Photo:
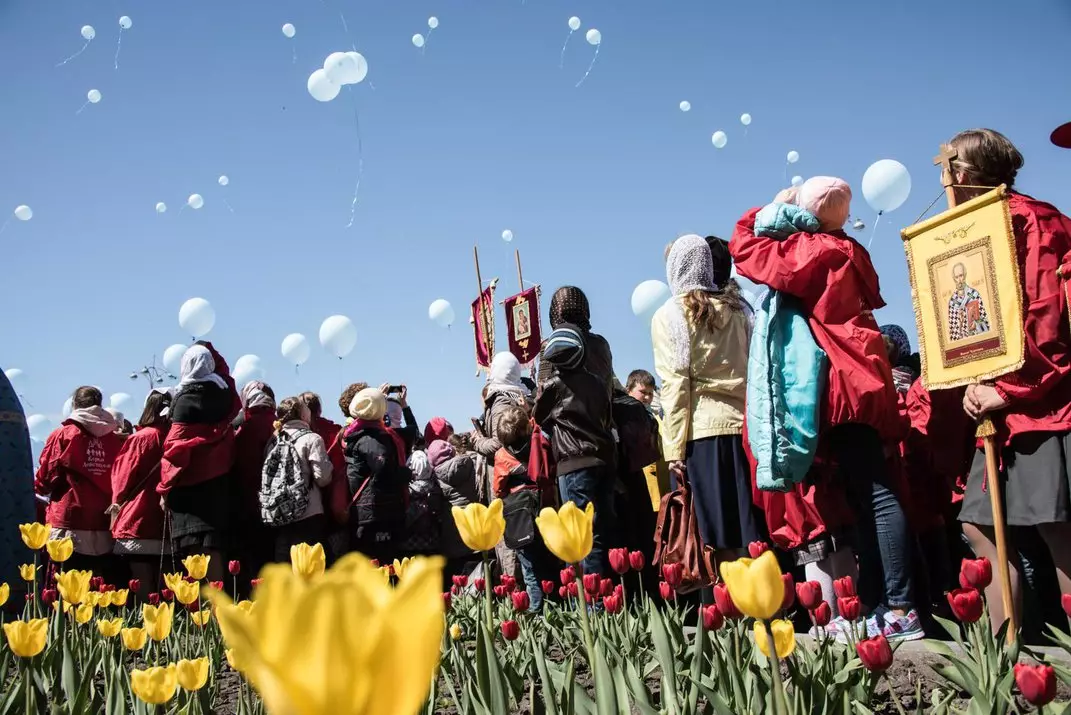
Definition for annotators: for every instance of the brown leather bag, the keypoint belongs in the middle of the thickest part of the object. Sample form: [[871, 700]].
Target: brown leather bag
[[677, 540]]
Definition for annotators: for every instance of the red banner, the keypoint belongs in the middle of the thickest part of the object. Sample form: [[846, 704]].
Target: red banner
[[522, 325], [483, 326]]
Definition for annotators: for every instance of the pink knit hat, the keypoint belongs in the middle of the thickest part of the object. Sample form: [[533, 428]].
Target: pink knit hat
[[828, 198]]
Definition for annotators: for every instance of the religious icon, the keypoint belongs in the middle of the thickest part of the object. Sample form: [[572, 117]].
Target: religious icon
[[966, 308], [963, 284], [522, 320]]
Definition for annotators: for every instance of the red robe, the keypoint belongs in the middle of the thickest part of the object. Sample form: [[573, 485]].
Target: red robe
[[135, 474], [250, 443], [74, 472], [937, 451], [338, 491]]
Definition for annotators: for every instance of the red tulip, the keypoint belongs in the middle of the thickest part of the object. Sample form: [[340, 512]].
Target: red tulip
[[844, 587], [28, 597], [563, 592], [612, 604], [500, 591], [255, 582], [574, 590], [619, 560], [790, 591], [521, 601], [96, 582], [665, 590], [809, 594], [460, 581], [447, 599], [966, 604], [849, 607], [1037, 683], [712, 618], [234, 567], [606, 587], [154, 599], [510, 630], [568, 575], [456, 590], [637, 561], [107, 588], [193, 607], [1065, 601], [875, 653], [49, 596], [218, 585], [375, 562], [976, 573], [822, 614], [168, 594], [757, 549], [509, 582], [619, 591], [479, 584], [134, 585], [591, 583], [725, 602], [548, 587], [673, 573]]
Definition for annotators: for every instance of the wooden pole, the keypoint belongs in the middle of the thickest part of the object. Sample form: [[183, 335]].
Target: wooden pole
[[479, 295], [520, 278]]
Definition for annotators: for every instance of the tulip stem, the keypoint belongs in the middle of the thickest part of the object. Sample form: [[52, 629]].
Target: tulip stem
[[892, 694], [780, 705], [585, 622], [488, 615]]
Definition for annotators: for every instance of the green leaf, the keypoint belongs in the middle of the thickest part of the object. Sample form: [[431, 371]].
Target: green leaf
[[716, 701], [605, 695], [489, 673], [550, 700], [698, 654], [68, 679], [666, 659], [953, 630]]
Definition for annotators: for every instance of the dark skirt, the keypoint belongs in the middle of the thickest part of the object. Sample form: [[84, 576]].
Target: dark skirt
[[1036, 481], [718, 472], [200, 515]]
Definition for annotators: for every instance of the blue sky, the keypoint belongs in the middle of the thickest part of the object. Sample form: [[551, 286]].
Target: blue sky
[[482, 132]]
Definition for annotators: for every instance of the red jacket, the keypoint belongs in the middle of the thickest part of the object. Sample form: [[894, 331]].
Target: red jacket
[[250, 443], [833, 277], [939, 447], [338, 491], [1040, 393], [135, 474], [74, 472]]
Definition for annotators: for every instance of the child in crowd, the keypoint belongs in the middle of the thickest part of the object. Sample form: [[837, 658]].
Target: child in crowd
[[425, 512], [456, 471]]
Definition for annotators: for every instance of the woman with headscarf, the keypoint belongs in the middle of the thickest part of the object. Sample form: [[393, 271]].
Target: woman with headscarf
[[503, 388], [199, 454], [252, 543], [576, 376]]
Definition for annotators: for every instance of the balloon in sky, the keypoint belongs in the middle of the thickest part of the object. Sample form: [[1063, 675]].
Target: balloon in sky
[[289, 30], [173, 357], [574, 23], [797, 180], [93, 96], [224, 180], [125, 22], [246, 369], [793, 157], [196, 317], [338, 335], [195, 201], [718, 139], [649, 297], [886, 185], [23, 212], [296, 349], [418, 40], [594, 37], [507, 235], [441, 312], [362, 68], [321, 87], [88, 32], [121, 401], [686, 106], [433, 22], [39, 426], [160, 207], [345, 67], [745, 119], [13, 374], [68, 407]]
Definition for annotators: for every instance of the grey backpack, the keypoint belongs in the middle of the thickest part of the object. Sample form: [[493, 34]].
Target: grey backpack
[[284, 493]]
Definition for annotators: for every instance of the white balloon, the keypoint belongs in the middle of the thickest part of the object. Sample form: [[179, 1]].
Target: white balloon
[[797, 180], [418, 40], [507, 235], [173, 357], [345, 67], [649, 297], [23, 212], [718, 139], [362, 68], [68, 407], [88, 32], [246, 369], [93, 96], [39, 426], [886, 185], [594, 37], [196, 317], [13, 374], [686, 106], [224, 180], [289, 30], [121, 401], [321, 87], [296, 349], [574, 23], [338, 335], [125, 22], [433, 22], [745, 119], [247, 361], [793, 156], [441, 312], [195, 201], [160, 207]]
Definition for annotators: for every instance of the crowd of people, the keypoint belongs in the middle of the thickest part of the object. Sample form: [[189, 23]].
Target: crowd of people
[[233, 472]]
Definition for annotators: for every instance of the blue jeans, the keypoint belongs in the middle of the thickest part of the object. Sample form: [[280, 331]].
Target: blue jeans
[[529, 558], [594, 485]]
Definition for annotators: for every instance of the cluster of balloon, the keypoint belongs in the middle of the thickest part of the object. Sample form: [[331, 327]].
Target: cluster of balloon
[[791, 158], [288, 32], [93, 96], [173, 357], [421, 41], [246, 369], [196, 317], [886, 186], [574, 25], [507, 235], [441, 313], [88, 33], [296, 349], [39, 426], [719, 139], [224, 181], [686, 106], [22, 213], [745, 119], [649, 297], [125, 23], [594, 38], [338, 336]]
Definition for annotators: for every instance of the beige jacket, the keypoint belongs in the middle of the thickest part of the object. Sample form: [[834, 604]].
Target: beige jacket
[[703, 373]]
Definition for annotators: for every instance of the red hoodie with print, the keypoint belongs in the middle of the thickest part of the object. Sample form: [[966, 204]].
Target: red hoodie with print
[[75, 473], [135, 474], [250, 443]]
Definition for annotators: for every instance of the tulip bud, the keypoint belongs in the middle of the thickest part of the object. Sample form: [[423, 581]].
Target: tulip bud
[[619, 560], [548, 587], [637, 561], [96, 582], [976, 573], [500, 591], [218, 585], [234, 568], [966, 604], [673, 573], [480, 584], [875, 653], [455, 632], [192, 607], [619, 591], [591, 583], [725, 602], [563, 592], [28, 597], [612, 604], [134, 585], [822, 614], [521, 601], [446, 600], [606, 587], [254, 582], [1037, 683], [168, 594], [809, 594], [154, 599], [790, 591], [1065, 601], [574, 590], [712, 618], [757, 549], [510, 630], [665, 590], [455, 589], [461, 581], [844, 587], [107, 588], [509, 582], [849, 608], [48, 596], [568, 575]]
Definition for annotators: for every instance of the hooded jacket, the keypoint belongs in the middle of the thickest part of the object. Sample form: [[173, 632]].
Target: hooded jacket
[[504, 388], [134, 477], [250, 445], [375, 467], [457, 479]]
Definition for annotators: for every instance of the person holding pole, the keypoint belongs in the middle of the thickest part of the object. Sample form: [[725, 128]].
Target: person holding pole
[[1031, 408]]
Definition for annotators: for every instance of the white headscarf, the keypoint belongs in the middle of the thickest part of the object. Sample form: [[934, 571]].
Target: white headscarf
[[505, 374], [198, 366], [253, 395], [689, 267], [420, 466]]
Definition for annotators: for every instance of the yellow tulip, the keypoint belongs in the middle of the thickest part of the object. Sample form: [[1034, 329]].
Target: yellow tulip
[[186, 592], [784, 635], [455, 632], [28, 572], [170, 579], [755, 585], [192, 674], [59, 550], [400, 567], [308, 561], [245, 606], [27, 638], [134, 638], [202, 617], [102, 599], [481, 527], [158, 620], [73, 586], [196, 566], [380, 634], [119, 597], [5, 593], [83, 614], [35, 535], [154, 685], [568, 531], [231, 661], [109, 629]]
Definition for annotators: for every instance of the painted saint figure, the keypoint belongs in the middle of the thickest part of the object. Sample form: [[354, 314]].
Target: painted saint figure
[[966, 310]]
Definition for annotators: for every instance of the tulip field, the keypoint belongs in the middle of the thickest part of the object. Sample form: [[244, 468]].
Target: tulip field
[[360, 638]]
